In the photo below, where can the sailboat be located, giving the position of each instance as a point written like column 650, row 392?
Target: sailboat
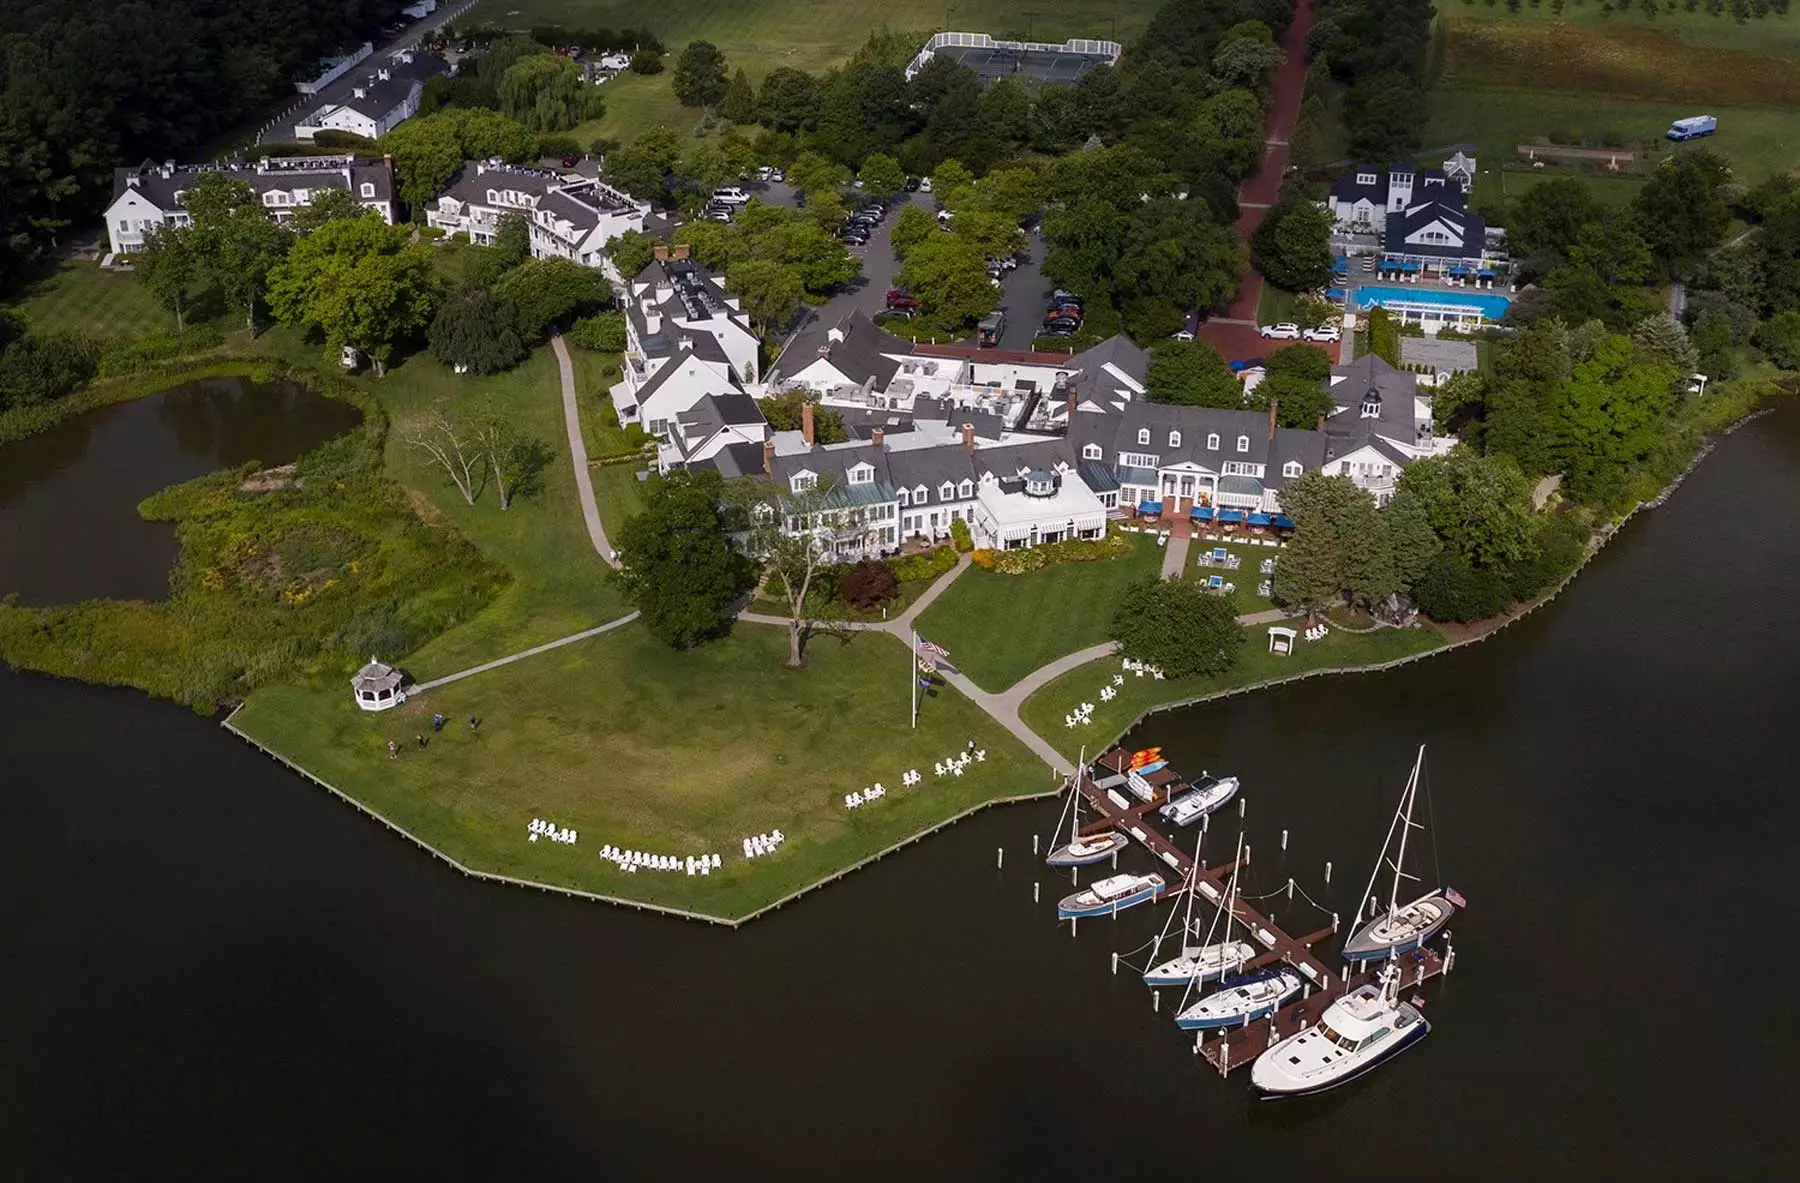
column 1079, row 851
column 1401, row 927
column 1203, row 963
column 1242, row 999
column 1357, row 1033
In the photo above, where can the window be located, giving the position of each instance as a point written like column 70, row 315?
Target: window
column 368, row 189
column 946, row 491
column 1143, row 435
column 921, row 495
column 493, row 197
column 862, row 474
column 1243, row 443
column 801, row 482
column 905, row 498
column 1291, row 469
column 1174, row 439
column 1365, row 178
column 1090, row 451
column 180, row 194
column 1212, row 441
column 1344, row 468
column 1138, row 459
column 966, row 489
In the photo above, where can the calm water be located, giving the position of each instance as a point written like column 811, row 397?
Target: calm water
column 216, row 971
column 69, row 527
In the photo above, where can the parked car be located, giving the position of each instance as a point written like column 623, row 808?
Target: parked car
column 988, row 333
column 1183, row 335
column 1287, row 330
column 856, row 236
column 1061, row 297
column 1323, row 333
column 924, row 184
column 1060, row 326
column 1072, row 311
column 570, row 161
column 898, row 300
column 717, row 213
column 912, row 184
column 874, row 210
column 731, row 195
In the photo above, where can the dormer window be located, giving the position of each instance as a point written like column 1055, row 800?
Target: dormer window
column 493, row 197
column 802, row 482
column 862, row 474
column 180, row 197
column 966, row 489
column 1174, row 439
column 368, row 189
column 1144, row 436
column 946, row 491
column 1291, row 469
column 1365, row 178
column 1243, row 443
column 1212, row 441
column 921, row 495
column 905, row 498
column 1090, row 451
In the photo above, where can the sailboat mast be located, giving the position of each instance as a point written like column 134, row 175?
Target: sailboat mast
column 1231, row 888
column 1193, row 889
column 1412, row 791
column 1075, row 798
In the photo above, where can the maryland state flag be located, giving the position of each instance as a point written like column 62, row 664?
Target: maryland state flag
column 1144, row 758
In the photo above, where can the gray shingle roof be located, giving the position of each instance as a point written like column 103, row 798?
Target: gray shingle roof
column 859, row 353
column 161, row 182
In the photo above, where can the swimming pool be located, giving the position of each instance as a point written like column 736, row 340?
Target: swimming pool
column 1418, row 299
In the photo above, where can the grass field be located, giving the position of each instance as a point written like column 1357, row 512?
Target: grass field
column 631, row 743
column 78, row 297
column 1247, row 575
column 810, row 35
column 998, row 628
column 1045, row 711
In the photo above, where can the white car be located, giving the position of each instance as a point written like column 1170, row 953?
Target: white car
column 1183, row 335
column 924, row 184
column 1285, row 331
column 731, row 195
column 1324, row 333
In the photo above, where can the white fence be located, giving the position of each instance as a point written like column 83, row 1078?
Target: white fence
column 1110, row 50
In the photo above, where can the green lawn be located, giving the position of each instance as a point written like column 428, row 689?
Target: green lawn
column 1046, row 711
column 998, row 628
column 673, row 752
column 78, row 297
column 810, row 35
column 1275, row 305
column 618, row 493
column 1247, row 575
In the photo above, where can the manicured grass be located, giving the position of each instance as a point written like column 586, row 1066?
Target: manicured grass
column 560, row 585
column 770, row 601
column 1774, row 34
column 78, row 297
column 1045, row 712
column 619, row 494
column 595, row 376
column 1275, row 305
column 1247, row 574
column 631, row 743
column 998, row 628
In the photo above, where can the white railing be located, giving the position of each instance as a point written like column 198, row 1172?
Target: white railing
column 1111, row 50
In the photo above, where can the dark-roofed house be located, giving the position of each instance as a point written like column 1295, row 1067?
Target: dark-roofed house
column 377, row 103
column 675, row 311
column 151, row 195
column 572, row 217
column 845, row 358
column 715, row 423
column 1364, row 197
column 1381, row 424
column 1438, row 230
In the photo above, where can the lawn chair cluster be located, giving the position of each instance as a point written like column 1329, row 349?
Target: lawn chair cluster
column 633, row 861
column 862, row 797
column 1218, row 583
column 1265, row 589
column 913, row 776
column 1081, row 716
column 1108, row 693
column 1267, row 567
column 1316, row 632
column 540, row 828
column 1218, row 556
column 761, row 844
column 1140, row 668
column 959, row 763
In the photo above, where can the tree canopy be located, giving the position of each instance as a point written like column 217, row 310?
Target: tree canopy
column 1178, row 627
column 678, row 567
column 361, row 283
column 1192, row 374
column 700, row 79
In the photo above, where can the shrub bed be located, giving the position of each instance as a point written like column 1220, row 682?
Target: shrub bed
column 1075, row 550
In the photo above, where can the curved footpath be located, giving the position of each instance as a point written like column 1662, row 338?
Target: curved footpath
column 584, row 484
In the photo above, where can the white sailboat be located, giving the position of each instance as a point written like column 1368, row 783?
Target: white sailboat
column 1079, row 851
column 1400, row 927
column 1242, row 999
column 1357, row 1033
column 1203, row 963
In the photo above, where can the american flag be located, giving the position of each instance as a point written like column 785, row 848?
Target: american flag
column 936, row 650
column 1455, row 897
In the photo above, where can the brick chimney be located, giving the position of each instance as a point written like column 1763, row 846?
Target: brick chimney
column 877, row 437
column 679, row 251
column 806, row 423
column 660, row 252
column 969, row 437
column 769, row 456
column 1071, row 407
column 1273, row 403
column 1320, row 426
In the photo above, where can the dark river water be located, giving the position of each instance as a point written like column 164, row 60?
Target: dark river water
column 69, row 526
column 215, row 971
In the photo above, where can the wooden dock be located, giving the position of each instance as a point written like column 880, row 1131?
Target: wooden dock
column 1107, row 787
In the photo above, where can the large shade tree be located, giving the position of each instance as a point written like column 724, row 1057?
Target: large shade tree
column 678, row 566
column 360, row 282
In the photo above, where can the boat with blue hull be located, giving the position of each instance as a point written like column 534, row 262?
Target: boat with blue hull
column 1242, row 999
column 1109, row 896
column 1356, row 1035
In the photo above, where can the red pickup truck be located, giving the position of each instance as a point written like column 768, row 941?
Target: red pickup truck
column 899, row 301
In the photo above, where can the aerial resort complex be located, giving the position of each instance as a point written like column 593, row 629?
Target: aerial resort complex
column 1268, row 999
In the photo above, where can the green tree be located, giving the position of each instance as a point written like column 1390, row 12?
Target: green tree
column 504, row 53
column 546, row 92
column 1682, row 211
column 1711, row 338
column 631, row 252
column 236, row 239
column 784, row 413
column 768, row 291
column 169, row 265
column 511, row 246
column 678, row 567
column 603, row 332
column 1480, row 506
column 1544, row 224
column 427, row 152
column 1006, row 111
column 1177, row 627
column 789, row 100
column 1613, row 250
column 881, row 174
column 950, row 280
column 1663, row 339
column 1296, row 383
column 1249, row 59
column 1192, row 374
column 641, row 168
column 1413, row 542
column 739, row 103
column 1300, row 255
column 1192, row 262
column 1779, row 337
column 911, row 227
column 1340, row 549
column 816, row 177
column 994, row 235
column 472, row 331
column 717, row 161
column 796, row 534
column 700, row 79
column 327, row 205
column 647, row 61
column 1609, row 416
column 950, row 177
column 361, row 283
column 546, row 294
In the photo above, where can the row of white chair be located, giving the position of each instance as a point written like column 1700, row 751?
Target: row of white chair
column 540, row 828
column 763, row 844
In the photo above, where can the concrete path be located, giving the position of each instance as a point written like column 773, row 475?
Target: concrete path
column 583, row 635
column 584, row 484
column 1175, row 555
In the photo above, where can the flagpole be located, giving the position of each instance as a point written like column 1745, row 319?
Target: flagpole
column 912, row 676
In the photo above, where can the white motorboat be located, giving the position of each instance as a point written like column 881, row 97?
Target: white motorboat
column 1113, row 894
column 1208, row 794
column 1206, row 963
column 1241, row 1000
column 1357, row 1033
column 1399, row 928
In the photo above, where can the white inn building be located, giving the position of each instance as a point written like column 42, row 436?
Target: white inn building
column 151, row 195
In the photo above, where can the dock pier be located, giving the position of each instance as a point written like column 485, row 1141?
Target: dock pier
column 1237, row 1046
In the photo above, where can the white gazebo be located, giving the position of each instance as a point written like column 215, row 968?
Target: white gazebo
column 376, row 686
column 1281, row 640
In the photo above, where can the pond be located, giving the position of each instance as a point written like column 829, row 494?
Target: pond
column 69, row 526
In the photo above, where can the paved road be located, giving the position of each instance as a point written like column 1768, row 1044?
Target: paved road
column 1025, row 295
column 584, row 484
